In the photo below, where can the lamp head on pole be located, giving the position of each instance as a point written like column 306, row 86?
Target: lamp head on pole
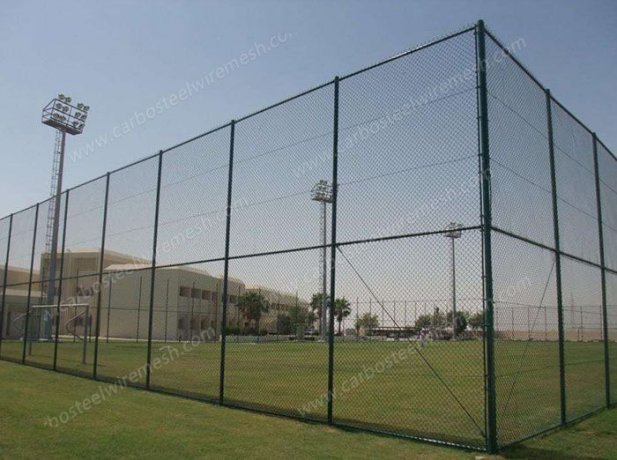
column 322, row 191
column 453, row 230
column 61, row 114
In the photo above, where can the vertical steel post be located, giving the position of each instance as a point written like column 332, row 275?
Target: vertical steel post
column 60, row 286
column 560, row 327
column 100, row 286
column 453, row 290
column 226, row 269
column 36, row 220
column 5, row 280
column 602, row 272
column 485, row 176
column 333, row 249
column 155, row 238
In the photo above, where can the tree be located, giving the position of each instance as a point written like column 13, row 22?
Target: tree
column 283, row 324
column 367, row 322
column 316, row 303
column 311, row 318
column 461, row 320
column 252, row 305
column 298, row 316
column 433, row 320
column 424, row 321
column 342, row 309
column 476, row 321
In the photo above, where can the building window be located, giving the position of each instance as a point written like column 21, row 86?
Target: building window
column 196, row 293
column 204, row 324
column 185, row 291
column 181, row 323
column 214, row 297
column 205, row 295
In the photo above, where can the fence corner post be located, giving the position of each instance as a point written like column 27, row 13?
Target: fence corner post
column 557, row 244
column 333, row 249
column 232, row 135
column 155, row 239
column 485, row 176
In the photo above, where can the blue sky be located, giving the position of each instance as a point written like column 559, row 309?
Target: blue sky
column 123, row 57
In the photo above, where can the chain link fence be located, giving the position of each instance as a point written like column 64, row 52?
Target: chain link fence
column 453, row 277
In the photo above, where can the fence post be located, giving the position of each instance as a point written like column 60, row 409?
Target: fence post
column 485, row 175
column 560, row 328
column 5, row 280
column 226, row 269
column 333, row 249
column 602, row 272
column 155, row 238
column 36, row 220
column 56, row 339
column 101, row 268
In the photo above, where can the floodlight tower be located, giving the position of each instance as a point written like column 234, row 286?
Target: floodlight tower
column 322, row 192
column 453, row 231
column 65, row 118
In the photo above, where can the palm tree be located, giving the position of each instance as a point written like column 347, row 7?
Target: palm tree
column 342, row 309
column 252, row 305
column 317, row 305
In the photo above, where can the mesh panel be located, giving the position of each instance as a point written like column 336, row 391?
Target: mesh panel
column 607, row 166
column 123, row 335
column 84, row 228
column 21, row 248
column 76, row 325
column 4, row 242
column 279, row 155
column 408, row 144
column 186, row 329
column 130, row 215
column 261, row 370
column 41, row 329
column 193, row 200
column 17, row 288
column 611, row 301
column 526, row 331
column 43, row 249
column 576, row 188
column 584, row 353
column 408, row 375
column 520, row 163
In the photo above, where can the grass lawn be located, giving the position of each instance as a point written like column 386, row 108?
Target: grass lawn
column 386, row 386
column 137, row 424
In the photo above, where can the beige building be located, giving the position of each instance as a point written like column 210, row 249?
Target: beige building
column 187, row 300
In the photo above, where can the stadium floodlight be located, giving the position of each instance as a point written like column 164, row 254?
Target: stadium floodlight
column 453, row 231
column 61, row 115
column 322, row 192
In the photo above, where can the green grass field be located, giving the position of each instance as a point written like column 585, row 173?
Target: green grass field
column 384, row 386
column 140, row 424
